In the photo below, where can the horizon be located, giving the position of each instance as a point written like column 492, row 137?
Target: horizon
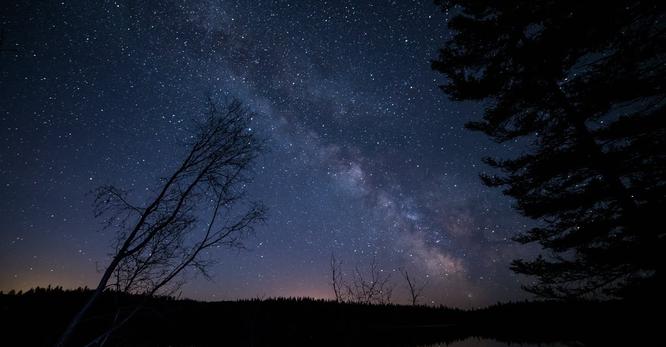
column 366, row 156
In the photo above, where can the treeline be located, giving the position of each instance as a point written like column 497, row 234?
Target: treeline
column 38, row 316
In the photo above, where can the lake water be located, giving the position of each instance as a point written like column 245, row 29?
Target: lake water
column 478, row 342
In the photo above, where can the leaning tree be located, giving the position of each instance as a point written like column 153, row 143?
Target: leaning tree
column 201, row 205
column 582, row 83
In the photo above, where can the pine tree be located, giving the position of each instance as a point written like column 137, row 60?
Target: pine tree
column 583, row 83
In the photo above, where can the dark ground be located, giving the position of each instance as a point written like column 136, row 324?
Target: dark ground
column 37, row 317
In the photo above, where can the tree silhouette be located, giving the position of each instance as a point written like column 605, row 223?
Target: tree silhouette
column 582, row 83
column 200, row 206
column 336, row 279
column 415, row 289
column 370, row 285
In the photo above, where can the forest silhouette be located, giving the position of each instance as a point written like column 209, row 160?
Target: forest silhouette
column 38, row 316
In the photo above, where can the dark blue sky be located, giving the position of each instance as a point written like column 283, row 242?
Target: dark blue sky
column 367, row 157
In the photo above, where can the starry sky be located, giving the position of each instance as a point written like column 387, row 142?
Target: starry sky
column 366, row 158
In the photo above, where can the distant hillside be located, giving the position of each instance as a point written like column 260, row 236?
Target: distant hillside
column 37, row 316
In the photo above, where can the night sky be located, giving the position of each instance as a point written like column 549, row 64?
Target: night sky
column 366, row 156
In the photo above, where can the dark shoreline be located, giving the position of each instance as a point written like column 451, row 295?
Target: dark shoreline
column 36, row 317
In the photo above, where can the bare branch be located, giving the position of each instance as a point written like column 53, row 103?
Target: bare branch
column 199, row 207
column 370, row 286
column 415, row 290
column 335, row 278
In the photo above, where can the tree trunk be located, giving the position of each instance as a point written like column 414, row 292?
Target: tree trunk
column 82, row 312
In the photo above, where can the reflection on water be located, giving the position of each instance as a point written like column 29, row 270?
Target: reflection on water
column 478, row 342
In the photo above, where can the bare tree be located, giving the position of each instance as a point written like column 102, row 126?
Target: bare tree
column 336, row 280
column 415, row 289
column 199, row 207
column 370, row 286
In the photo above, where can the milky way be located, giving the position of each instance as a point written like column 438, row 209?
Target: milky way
column 366, row 157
